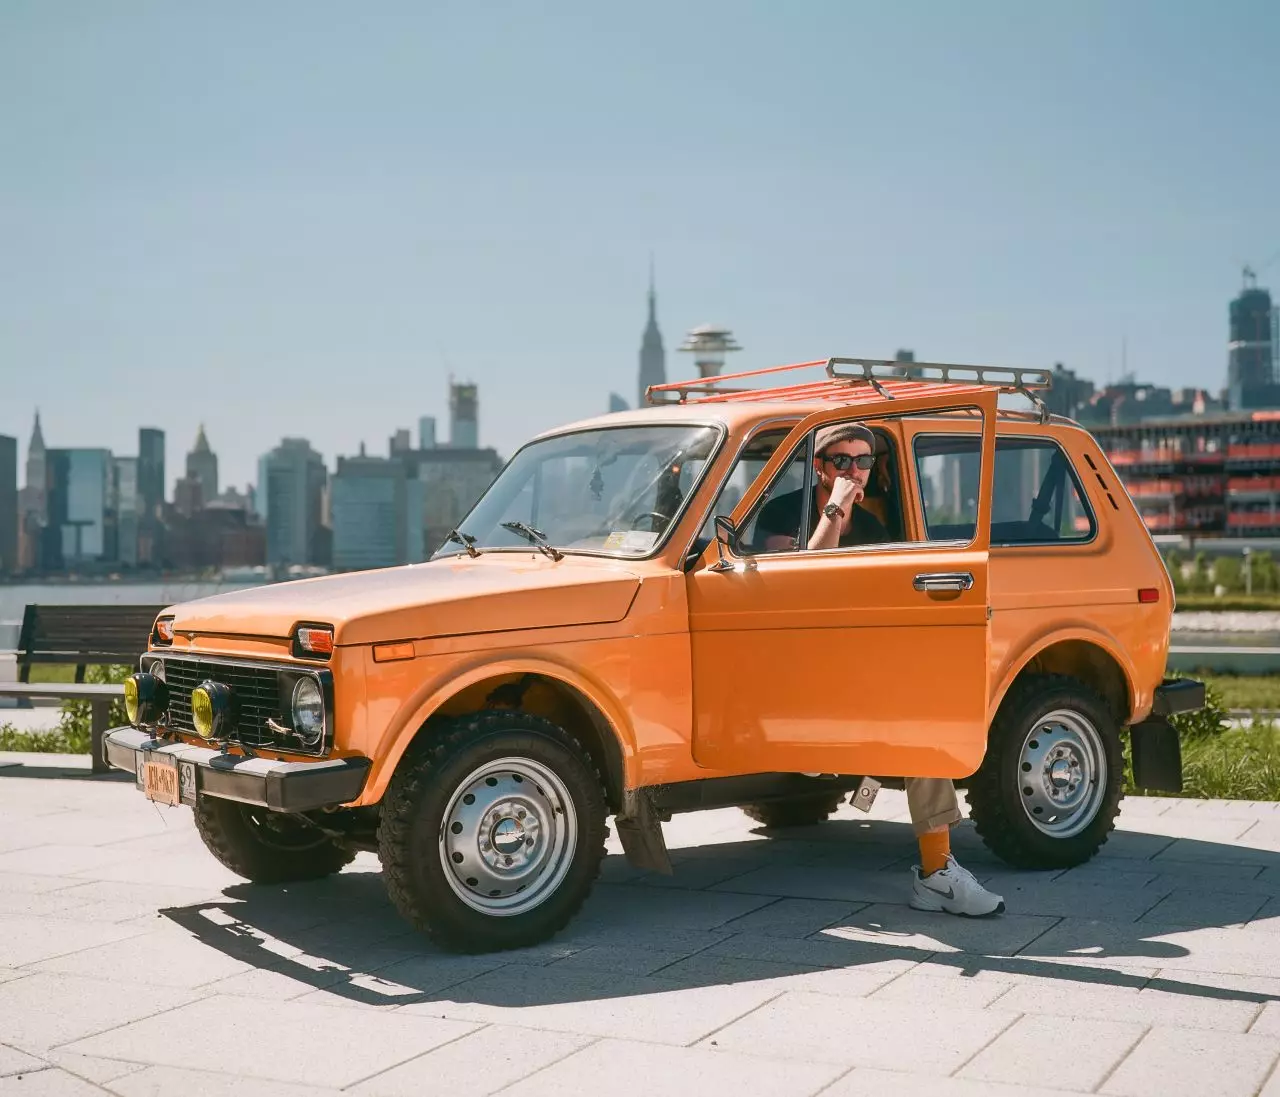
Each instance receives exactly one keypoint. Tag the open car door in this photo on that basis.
(861, 660)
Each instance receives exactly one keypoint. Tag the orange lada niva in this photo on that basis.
(631, 622)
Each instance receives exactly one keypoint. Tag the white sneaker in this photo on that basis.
(954, 890)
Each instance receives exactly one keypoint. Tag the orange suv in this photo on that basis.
(608, 633)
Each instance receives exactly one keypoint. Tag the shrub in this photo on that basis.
(75, 725)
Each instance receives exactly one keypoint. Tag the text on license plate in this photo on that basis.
(160, 782)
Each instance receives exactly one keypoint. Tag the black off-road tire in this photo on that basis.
(267, 847)
(413, 817)
(998, 790)
(794, 811)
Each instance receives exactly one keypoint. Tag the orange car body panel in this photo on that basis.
(829, 662)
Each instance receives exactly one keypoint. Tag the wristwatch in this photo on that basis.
(832, 511)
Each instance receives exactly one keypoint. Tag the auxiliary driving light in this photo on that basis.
(146, 698)
(211, 709)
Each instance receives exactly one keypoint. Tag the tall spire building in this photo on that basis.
(653, 358)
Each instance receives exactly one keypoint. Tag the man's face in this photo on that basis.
(828, 463)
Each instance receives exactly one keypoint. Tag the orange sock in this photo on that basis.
(935, 847)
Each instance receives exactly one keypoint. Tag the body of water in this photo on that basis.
(13, 599)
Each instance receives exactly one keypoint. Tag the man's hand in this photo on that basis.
(846, 494)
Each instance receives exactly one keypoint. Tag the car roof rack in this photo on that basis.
(861, 381)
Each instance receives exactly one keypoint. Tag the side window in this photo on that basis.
(789, 518)
(751, 461)
(1036, 498)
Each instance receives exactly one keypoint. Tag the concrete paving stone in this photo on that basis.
(1270, 875)
(611, 1068)
(55, 860)
(1198, 851)
(1272, 1087)
(1207, 873)
(1074, 900)
(862, 1032)
(810, 882)
(903, 927)
(24, 883)
(25, 940)
(1203, 1063)
(793, 917)
(7, 973)
(594, 1003)
(47, 1010)
(160, 958)
(1263, 834)
(634, 904)
(928, 990)
(113, 901)
(732, 971)
(76, 828)
(694, 874)
(172, 869)
(1268, 1022)
(1016, 969)
(615, 869)
(13, 1061)
(1242, 951)
(1267, 917)
(1018, 1053)
(864, 1082)
(276, 985)
(1168, 883)
(1205, 907)
(413, 978)
(38, 904)
(50, 1082)
(1167, 1007)
(1146, 806)
(1206, 831)
(624, 959)
(323, 1046)
(90, 1068)
(1133, 845)
(166, 1081)
(480, 1064)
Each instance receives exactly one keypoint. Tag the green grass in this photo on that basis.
(1228, 603)
(1252, 692)
(1239, 764)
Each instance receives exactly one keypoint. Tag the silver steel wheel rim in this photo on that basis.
(1062, 773)
(508, 837)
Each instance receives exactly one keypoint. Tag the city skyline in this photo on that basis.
(289, 234)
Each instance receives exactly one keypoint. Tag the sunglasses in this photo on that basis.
(845, 461)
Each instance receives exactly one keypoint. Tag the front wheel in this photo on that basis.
(267, 847)
(1048, 791)
(493, 831)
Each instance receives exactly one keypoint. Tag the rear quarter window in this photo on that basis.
(1037, 498)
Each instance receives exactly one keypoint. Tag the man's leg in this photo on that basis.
(940, 884)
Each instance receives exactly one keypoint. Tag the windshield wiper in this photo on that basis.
(535, 537)
(465, 540)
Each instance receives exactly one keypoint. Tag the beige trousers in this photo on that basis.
(932, 802)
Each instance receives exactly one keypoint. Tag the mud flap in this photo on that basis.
(1157, 755)
(640, 832)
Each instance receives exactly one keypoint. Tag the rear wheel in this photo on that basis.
(267, 847)
(1048, 791)
(493, 831)
(794, 811)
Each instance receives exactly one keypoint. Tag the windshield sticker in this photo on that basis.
(632, 540)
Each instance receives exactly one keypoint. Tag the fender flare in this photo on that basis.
(1078, 632)
(436, 692)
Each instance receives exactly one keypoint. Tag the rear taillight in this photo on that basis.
(1149, 594)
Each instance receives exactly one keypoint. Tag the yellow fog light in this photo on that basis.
(146, 698)
(211, 709)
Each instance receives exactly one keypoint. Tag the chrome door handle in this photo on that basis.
(943, 580)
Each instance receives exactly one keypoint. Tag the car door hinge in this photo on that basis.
(990, 613)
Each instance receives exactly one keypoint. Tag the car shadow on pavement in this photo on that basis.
(791, 904)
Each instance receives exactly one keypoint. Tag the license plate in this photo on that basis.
(160, 781)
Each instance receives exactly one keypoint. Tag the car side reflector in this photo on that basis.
(389, 653)
(1149, 594)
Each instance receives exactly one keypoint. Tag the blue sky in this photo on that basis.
(297, 218)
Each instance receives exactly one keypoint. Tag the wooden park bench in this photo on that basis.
(80, 636)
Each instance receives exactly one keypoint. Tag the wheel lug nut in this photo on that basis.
(521, 813)
(506, 860)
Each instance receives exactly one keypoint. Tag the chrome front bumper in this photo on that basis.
(264, 782)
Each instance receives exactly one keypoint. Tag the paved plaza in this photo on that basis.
(132, 963)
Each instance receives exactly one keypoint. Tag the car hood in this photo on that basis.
(450, 597)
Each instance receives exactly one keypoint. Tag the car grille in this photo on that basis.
(258, 694)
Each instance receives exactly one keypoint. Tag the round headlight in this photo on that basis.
(146, 698)
(211, 709)
(308, 711)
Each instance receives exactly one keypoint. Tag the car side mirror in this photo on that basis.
(726, 535)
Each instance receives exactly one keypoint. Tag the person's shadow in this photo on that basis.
(815, 899)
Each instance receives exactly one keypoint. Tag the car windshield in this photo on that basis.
(614, 491)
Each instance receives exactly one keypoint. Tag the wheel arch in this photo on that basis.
(1079, 654)
(585, 708)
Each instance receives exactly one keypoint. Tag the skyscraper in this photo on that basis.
(8, 504)
(151, 481)
(1251, 379)
(377, 513)
(80, 526)
(202, 466)
(464, 416)
(653, 358)
(292, 482)
(127, 506)
(33, 502)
